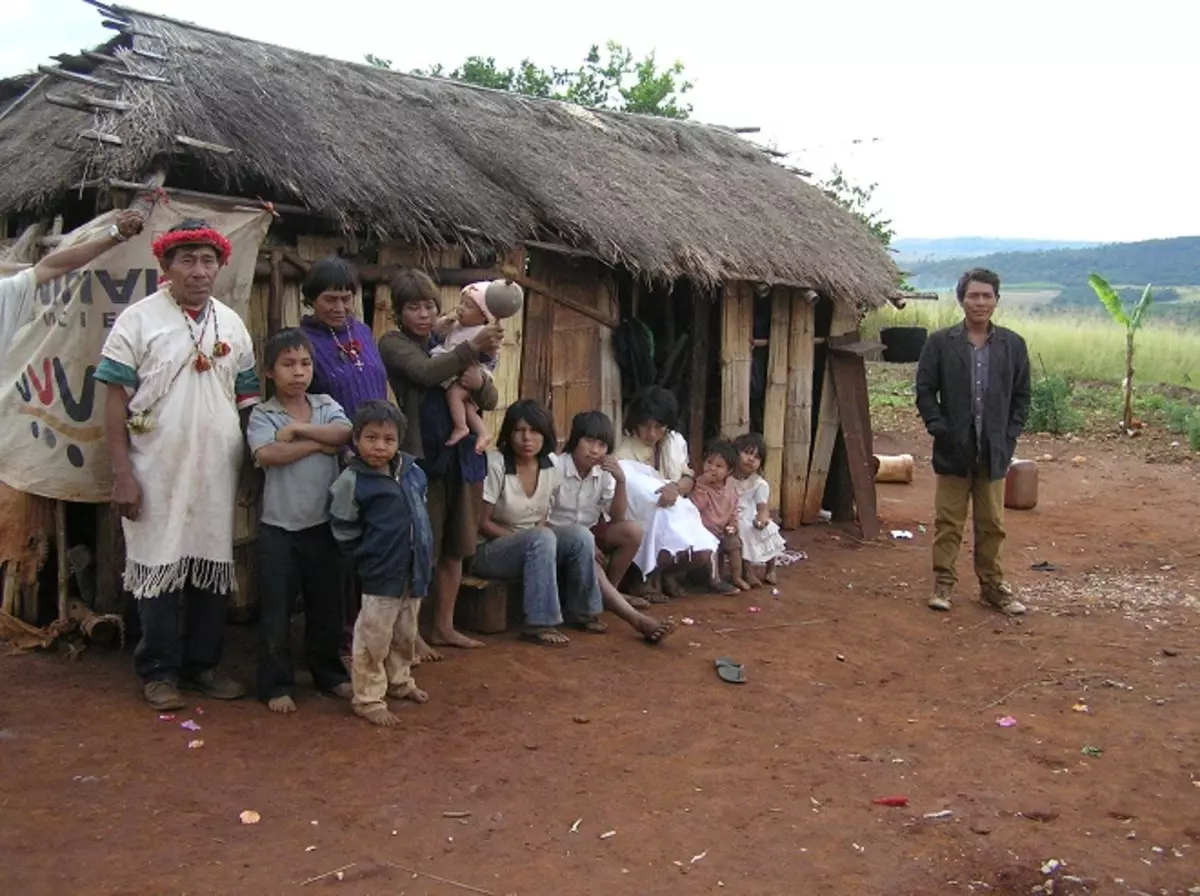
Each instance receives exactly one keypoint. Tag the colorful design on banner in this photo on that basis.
(52, 441)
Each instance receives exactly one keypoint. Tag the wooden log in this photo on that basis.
(538, 352)
(101, 103)
(609, 320)
(698, 368)
(118, 184)
(101, 58)
(110, 139)
(148, 54)
(202, 144)
(737, 334)
(65, 75)
(777, 404)
(844, 320)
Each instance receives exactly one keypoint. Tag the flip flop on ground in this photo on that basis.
(731, 672)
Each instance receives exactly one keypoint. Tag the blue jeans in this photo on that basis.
(541, 558)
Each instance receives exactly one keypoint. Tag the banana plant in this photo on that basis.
(1132, 322)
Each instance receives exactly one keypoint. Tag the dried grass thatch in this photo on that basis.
(420, 159)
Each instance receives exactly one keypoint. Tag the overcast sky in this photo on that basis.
(1057, 119)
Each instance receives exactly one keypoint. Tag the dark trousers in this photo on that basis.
(183, 634)
(305, 563)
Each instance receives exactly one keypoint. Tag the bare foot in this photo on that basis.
(454, 638)
(769, 578)
(638, 603)
(425, 653)
(416, 695)
(343, 691)
(740, 583)
(457, 435)
(483, 443)
(653, 631)
(378, 715)
(751, 579)
(283, 704)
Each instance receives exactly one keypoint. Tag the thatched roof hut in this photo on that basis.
(425, 160)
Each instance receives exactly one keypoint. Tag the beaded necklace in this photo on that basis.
(351, 350)
(203, 361)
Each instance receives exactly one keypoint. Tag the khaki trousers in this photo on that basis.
(986, 498)
(385, 648)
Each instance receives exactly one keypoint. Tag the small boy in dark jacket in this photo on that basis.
(377, 512)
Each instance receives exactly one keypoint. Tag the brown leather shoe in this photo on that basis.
(163, 696)
(214, 684)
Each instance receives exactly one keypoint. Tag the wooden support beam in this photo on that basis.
(63, 75)
(15, 104)
(129, 75)
(798, 423)
(776, 406)
(202, 144)
(102, 103)
(698, 369)
(850, 385)
(737, 333)
(147, 54)
(117, 184)
(68, 102)
(101, 58)
(275, 294)
(578, 307)
(538, 352)
(829, 423)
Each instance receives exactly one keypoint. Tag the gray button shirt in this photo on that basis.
(980, 358)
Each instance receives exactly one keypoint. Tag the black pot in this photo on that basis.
(902, 345)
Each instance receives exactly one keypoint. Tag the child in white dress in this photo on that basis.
(762, 544)
(480, 304)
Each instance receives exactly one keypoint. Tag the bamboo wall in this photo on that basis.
(798, 459)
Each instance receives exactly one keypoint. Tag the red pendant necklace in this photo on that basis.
(351, 351)
(204, 362)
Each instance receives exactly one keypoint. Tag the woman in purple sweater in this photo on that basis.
(346, 363)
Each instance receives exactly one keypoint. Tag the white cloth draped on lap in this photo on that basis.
(672, 529)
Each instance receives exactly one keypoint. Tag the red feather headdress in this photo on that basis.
(203, 237)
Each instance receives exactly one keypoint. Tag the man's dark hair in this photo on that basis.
(333, 274)
(378, 411)
(752, 441)
(527, 411)
(654, 403)
(723, 449)
(188, 224)
(286, 339)
(410, 286)
(590, 425)
(978, 275)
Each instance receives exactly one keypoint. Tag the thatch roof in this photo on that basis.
(421, 158)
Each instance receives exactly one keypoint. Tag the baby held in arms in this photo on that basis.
(480, 304)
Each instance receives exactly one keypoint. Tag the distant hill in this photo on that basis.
(915, 249)
(1171, 262)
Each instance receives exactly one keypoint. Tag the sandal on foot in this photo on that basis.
(731, 672)
(545, 637)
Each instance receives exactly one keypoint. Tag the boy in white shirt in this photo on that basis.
(591, 486)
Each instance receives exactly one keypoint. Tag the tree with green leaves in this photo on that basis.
(1132, 321)
(858, 200)
(615, 81)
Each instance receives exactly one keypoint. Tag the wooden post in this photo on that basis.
(698, 378)
(737, 334)
(798, 416)
(60, 553)
(776, 403)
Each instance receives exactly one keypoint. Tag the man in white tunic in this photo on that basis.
(179, 366)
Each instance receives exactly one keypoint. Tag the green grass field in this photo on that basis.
(1079, 347)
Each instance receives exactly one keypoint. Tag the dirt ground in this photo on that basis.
(613, 767)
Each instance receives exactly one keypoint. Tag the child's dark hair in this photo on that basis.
(752, 441)
(654, 403)
(333, 274)
(590, 425)
(378, 411)
(722, 448)
(527, 411)
(285, 340)
(411, 286)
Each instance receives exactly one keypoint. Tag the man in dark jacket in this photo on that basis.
(973, 394)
